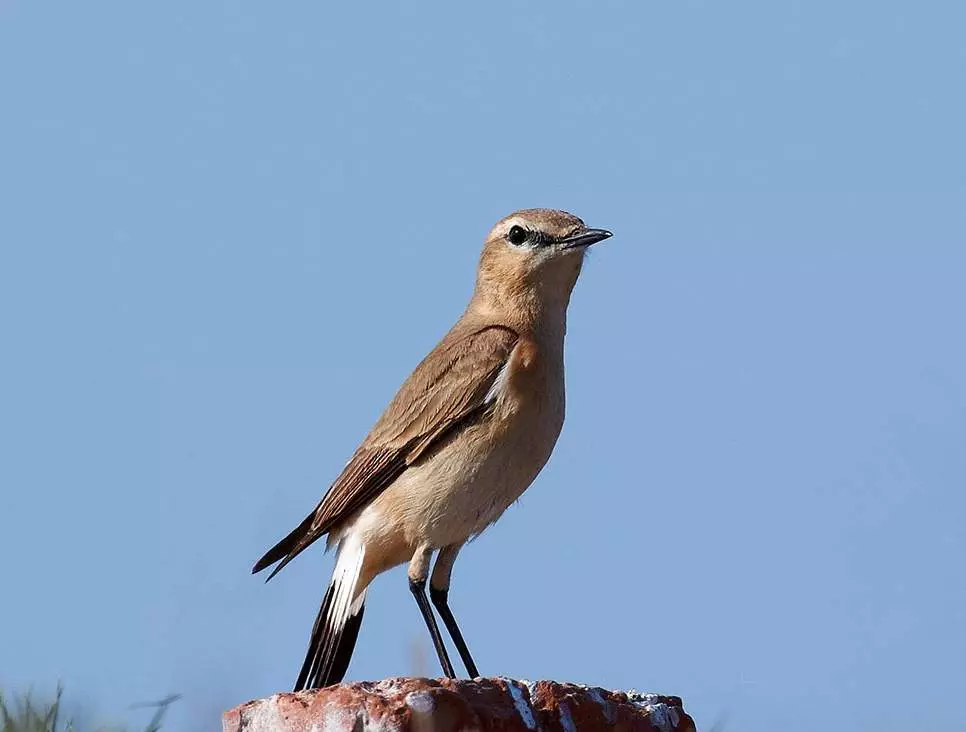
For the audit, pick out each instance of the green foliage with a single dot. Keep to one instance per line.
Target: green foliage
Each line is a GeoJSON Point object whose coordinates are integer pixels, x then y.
{"type": "Point", "coordinates": [26, 715]}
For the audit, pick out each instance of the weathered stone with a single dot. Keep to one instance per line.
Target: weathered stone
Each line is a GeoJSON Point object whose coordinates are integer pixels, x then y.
{"type": "Point", "coordinates": [446, 705]}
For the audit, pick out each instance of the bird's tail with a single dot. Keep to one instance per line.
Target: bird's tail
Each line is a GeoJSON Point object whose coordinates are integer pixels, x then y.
{"type": "Point", "coordinates": [337, 625]}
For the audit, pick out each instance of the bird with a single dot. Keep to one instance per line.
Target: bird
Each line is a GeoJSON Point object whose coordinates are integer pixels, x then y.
{"type": "Point", "coordinates": [462, 439]}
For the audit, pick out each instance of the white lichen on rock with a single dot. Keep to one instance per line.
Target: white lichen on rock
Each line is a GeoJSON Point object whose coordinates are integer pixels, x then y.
{"type": "Point", "coordinates": [420, 702]}
{"type": "Point", "coordinates": [522, 705]}
{"type": "Point", "coordinates": [608, 706]}
{"type": "Point", "coordinates": [335, 719]}
{"type": "Point", "coordinates": [566, 720]}
{"type": "Point", "coordinates": [664, 716]}
{"type": "Point", "coordinates": [263, 714]}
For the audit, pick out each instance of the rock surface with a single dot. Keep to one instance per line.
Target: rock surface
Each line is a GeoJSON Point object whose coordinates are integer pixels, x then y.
{"type": "Point", "coordinates": [448, 705]}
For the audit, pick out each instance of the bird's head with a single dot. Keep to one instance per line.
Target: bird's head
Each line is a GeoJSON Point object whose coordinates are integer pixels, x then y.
{"type": "Point", "coordinates": [536, 255]}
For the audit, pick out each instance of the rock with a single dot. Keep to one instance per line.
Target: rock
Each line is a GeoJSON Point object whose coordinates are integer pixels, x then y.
{"type": "Point", "coordinates": [450, 705]}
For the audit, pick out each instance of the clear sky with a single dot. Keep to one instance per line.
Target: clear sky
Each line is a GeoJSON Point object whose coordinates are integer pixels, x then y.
{"type": "Point", "coordinates": [229, 230]}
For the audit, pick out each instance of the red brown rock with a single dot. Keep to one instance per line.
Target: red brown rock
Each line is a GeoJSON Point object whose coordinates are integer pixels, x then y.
{"type": "Point", "coordinates": [446, 705]}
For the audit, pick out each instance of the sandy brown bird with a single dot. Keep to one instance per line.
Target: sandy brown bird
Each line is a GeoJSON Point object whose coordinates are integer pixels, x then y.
{"type": "Point", "coordinates": [462, 439]}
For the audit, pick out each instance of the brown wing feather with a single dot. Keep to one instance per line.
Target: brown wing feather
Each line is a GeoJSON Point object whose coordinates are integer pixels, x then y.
{"type": "Point", "coordinates": [446, 390]}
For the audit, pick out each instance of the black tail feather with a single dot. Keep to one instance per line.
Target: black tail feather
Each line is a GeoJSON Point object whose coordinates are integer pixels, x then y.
{"type": "Point", "coordinates": [297, 540]}
{"type": "Point", "coordinates": [347, 644]}
{"type": "Point", "coordinates": [315, 641]}
{"type": "Point", "coordinates": [329, 651]}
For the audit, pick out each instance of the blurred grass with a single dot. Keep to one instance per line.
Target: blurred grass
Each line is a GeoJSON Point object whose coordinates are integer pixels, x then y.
{"type": "Point", "coordinates": [25, 714]}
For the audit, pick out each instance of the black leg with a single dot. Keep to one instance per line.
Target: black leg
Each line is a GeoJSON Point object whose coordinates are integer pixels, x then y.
{"type": "Point", "coordinates": [418, 588]}
{"type": "Point", "coordinates": [439, 598]}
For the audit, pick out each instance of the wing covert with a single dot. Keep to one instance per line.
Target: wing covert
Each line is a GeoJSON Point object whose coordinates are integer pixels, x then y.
{"type": "Point", "coordinates": [447, 390]}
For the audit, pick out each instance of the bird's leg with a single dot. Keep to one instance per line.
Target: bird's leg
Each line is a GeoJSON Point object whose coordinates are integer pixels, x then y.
{"type": "Point", "coordinates": [418, 571]}
{"type": "Point", "coordinates": [439, 592]}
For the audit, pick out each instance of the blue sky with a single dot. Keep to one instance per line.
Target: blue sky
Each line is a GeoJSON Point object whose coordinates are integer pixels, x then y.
{"type": "Point", "coordinates": [230, 230]}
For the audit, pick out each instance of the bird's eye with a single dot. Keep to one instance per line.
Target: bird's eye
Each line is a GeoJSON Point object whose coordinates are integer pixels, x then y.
{"type": "Point", "coordinates": [517, 235]}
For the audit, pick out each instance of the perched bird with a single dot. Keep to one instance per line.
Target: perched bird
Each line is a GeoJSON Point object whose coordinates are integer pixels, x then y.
{"type": "Point", "coordinates": [463, 438]}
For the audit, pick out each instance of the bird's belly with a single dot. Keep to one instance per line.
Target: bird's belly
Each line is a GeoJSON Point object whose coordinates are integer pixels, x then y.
{"type": "Point", "coordinates": [466, 485]}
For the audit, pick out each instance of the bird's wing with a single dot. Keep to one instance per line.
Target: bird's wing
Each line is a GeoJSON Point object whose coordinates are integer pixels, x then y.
{"type": "Point", "coordinates": [446, 391]}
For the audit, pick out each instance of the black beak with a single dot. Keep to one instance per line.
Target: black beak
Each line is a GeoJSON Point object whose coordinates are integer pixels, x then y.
{"type": "Point", "coordinates": [585, 237]}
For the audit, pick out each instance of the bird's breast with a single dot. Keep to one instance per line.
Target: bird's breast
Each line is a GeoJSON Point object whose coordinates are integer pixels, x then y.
{"type": "Point", "coordinates": [466, 484]}
{"type": "Point", "coordinates": [472, 481]}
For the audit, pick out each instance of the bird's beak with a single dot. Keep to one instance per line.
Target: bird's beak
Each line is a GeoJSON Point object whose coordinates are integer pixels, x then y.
{"type": "Point", "coordinates": [585, 237]}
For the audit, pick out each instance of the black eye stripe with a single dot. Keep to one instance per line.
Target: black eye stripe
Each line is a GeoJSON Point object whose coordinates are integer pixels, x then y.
{"type": "Point", "coordinates": [520, 236]}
